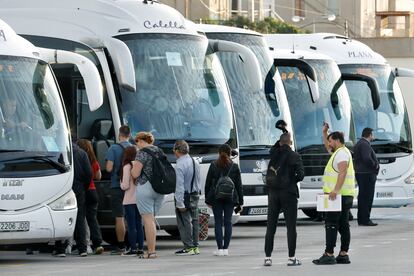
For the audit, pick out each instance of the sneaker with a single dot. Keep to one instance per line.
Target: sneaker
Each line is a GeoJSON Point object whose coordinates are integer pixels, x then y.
{"type": "Point", "coordinates": [68, 249]}
{"type": "Point", "coordinates": [185, 252]}
{"type": "Point", "coordinates": [83, 254]}
{"type": "Point", "coordinates": [196, 250]}
{"type": "Point", "coordinates": [140, 254]}
{"type": "Point", "coordinates": [267, 261]}
{"type": "Point", "coordinates": [60, 254]}
{"type": "Point", "coordinates": [129, 253]}
{"type": "Point", "coordinates": [99, 250]}
{"type": "Point", "coordinates": [225, 252]}
{"type": "Point", "coordinates": [89, 249]}
{"type": "Point", "coordinates": [218, 252]}
{"type": "Point", "coordinates": [293, 262]}
{"type": "Point", "coordinates": [325, 260]}
{"type": "Point", "coordinates": [118, 251]}
{"type": "Point", "coordinates": [343, 259]}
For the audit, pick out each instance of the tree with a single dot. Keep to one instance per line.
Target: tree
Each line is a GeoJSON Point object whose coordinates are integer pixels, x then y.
{"type": "Point", "coordinates": [268, 26]}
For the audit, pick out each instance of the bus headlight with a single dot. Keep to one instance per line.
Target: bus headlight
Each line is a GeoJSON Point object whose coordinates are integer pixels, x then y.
{"type": "Point", "coordinates": [410, 179]}
{"type": "Point", "coordinates": [65, 202]}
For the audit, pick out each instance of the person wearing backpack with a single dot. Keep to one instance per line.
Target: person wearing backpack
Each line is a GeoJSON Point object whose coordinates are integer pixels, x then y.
{"type": "Point", "coordinates": [285, 170]}
{"type": "Point", "coordinates": [113, 165]}
{"type": "Point", "coordinates": [223, 191]}
{"type": "Point", "coordinates": [149, 201]}
{"type": "Point", "coordinates": [187, 193]}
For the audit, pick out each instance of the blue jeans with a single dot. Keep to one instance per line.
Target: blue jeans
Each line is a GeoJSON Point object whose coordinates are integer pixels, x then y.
{"type": "Point", "coordinates": [221, 208]}
{"type": "Point", "coordinates": [135, 230]}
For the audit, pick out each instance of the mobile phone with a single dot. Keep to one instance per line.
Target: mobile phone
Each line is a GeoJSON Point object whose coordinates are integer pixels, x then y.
{"type": "Point", "coordinates": [237, 210]}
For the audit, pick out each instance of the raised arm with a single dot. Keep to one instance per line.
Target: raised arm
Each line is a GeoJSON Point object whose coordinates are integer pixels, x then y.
{"type": "Point", "coordinates": [325, 129]}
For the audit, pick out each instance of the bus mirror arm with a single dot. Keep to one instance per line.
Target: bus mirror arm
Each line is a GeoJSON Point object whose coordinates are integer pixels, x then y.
{"type": "Point", "coordinates": [246, 55]}
{"type": "Point", "coordinates": [88, 70]}
{"type": "Point", "coordinates": [307, 70]}
{"type": "Point", "coordinates": [372, 84]}
{"type": "Point", "coordinates": [123, 63]}
{"type": "Point", "coordinates": [403, 72]}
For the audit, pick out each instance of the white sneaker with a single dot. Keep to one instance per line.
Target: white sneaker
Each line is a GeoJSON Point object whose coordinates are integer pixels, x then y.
{"type": "Point", "coordinates": [218, 252]}
{"type": "Point", "coordinates": [225, 252]}
{"type": "Point", "coordinates": [68, 249]}
{"type": "Point", "coordinates": [89, 249]}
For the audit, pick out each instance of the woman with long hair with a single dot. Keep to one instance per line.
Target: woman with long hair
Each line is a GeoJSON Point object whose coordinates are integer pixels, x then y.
{"type": "Point", "coordinates": [91, 198]}
{"type": "Point", "coordinates": [132, 216]}
{"type": "Point", "coordinates": [223, 201]}
{"type": "Point", "coordinates": [148, 201]}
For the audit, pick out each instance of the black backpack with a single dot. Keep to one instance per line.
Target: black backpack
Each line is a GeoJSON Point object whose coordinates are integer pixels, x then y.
{"type": "Point", "coordinates": [163, 174]}
{"type": "Point", "coordinates": [224, 189]}
{"type": "Point", "coordinates": [277, 176]}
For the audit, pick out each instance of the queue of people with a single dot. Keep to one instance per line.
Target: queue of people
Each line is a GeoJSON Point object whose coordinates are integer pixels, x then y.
{"type": "Point", "coordinates": [135, 200]}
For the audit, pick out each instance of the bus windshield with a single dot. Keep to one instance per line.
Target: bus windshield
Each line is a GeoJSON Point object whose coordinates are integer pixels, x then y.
{"type": "Point", "coordinates": [390, 121]}
{"type": "Point", "coordinates": [181, 90]}
{"type": "Point", "coordinates": [256, 112]}
{"type": "Point", "coordinates": [34, 137]}
{"type": "Point", "coordinates": [333, 105]}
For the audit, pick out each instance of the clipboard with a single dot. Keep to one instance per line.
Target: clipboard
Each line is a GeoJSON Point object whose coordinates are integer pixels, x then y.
{"type": "Point", "coordinates": [324, 204]}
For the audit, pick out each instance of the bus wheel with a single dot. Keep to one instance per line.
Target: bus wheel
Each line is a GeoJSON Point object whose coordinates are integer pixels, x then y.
{"type": "Point", "coordinates": [311, 213]}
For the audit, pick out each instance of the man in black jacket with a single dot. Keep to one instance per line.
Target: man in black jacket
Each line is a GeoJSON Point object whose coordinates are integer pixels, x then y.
{"type": "Point", "coordinates": [366, 171]}
{"type": "Point", "coordinates": [285, 170]}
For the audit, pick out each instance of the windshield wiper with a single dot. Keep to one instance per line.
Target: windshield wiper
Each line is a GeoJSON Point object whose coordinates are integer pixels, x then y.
{"type": "Point", "coordinates": [172, 141]}
{"type": "Point", "coordinates": [6, 150]}
{"type": "Point", "coordinates": [379, 139]}
{"type": "Point", "coordinates": [255, 146]}
{"type": "Point", "coordinates": [47, 158]}
{"type": "Point", "coordinates": [406, 149]}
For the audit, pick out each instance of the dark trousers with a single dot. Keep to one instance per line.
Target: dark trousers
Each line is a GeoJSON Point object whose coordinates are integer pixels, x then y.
{"type": "Point", "coordinates": [80, 227]}
{"type": "Point", "coordinates": [338, 222]}
{"type": "Point", "coordinates": [135, 229]}
{"type": "Point", "coordinates": [91, 217]}
{"type": "Point", "coordinates": [366, 185]}
{"type": "Point", "coordinates": [223, 211]}
{"type": "Point", "coordinates": [288, 203]}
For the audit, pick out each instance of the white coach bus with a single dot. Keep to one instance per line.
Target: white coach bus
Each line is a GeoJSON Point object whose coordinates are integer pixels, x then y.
{"type": "Point", "coordinates": [257, 112]}
{"type": "Point", "coordinates": [388, 117]}
{"type": "Point", "coordinates": [37, 204]}
{"type": "Point", "coordinates": [145, 46]}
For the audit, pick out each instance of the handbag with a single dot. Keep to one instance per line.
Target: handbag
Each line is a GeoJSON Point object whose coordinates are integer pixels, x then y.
{"type": "Point", "coordinates": [187, 195]}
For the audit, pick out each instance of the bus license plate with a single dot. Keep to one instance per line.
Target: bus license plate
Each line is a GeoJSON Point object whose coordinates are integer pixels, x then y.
{"type": "Point", "coordinates": [385, 194]}
{"type": "Point", "coordinates": [258, 211]}
{"type": "Point", "coordinates": [14, 226]}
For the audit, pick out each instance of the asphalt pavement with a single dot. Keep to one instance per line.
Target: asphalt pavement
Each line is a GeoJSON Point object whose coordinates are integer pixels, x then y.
{"type": "Point", "coordinates": [381, 250]}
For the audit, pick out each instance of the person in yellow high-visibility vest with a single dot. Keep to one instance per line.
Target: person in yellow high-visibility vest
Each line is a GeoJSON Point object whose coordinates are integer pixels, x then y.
{"type": "Point", "coordinates": [338, 179]}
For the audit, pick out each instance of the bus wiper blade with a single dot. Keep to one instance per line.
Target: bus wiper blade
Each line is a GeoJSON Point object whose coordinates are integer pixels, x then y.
{"type": "Point", "coordinates": [172, 141]}
{"type": "Point", "coordinates": [47, 158]}
{"type": "Point", "coordinates": [255, 147]}
{"type": "Point", "coordinates": [380, 140]}
{"type": "Point", "coordinates": [395, 146]}
{"type": "Point", "coordinates": [6, 150]}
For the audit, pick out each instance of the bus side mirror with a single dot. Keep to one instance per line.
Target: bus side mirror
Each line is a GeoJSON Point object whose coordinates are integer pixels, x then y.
{"type": "Point", "coordinates": [307, 70]}
{"type": "Point", "coordinates": [250, 61]}
{"type": "Point", "coordinates": [403, 72]}
{"type": "Point", "coordinates": [372, 84]}
{"type": "Point", "coordinates": [123, 63]}
{"type": "Point", "coordinates": [88, 70]}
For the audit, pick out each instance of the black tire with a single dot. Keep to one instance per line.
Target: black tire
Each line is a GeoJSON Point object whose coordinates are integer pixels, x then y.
{"type": "Point", "coordinates": [173, 232]}
{"type": "Point", "coordinates": [310, 212]}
